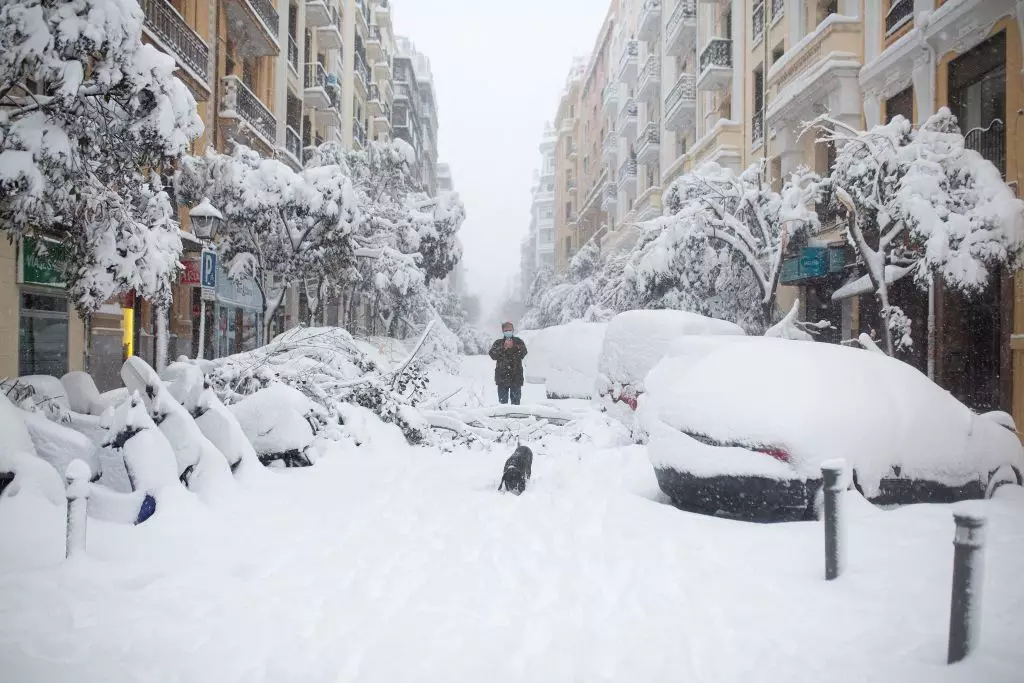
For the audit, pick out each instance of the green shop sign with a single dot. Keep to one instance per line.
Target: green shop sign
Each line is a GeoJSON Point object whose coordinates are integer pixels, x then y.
{"type": "Point", "coordinates": [43, 266]}
{"type": "Point", "coordinates": [812, 262]}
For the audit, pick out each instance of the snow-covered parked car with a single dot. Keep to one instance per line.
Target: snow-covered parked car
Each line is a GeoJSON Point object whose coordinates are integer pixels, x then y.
{"type": "Point", "coordinates": [743, 428]}
{"type": "Point", "coordinates": [636, 340]}
{"type": "Point", "coordinates": [564, 358]}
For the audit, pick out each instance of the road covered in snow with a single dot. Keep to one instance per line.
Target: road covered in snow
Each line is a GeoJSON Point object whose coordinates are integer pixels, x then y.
{"type": "Point", "coordinates": [393, 563]}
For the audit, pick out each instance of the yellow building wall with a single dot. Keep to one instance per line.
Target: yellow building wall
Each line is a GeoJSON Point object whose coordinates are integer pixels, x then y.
{"type": "Point", "coordinates": [8, 309]}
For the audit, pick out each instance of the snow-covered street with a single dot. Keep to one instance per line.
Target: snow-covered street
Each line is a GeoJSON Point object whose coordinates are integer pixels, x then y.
{"type": "Point", "coordinates": [400, 563]}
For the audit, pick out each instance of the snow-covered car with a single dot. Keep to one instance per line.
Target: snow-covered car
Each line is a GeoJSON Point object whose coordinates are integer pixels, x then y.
{"type": "Point", "coordinates": [743, 428]}
{"type": "Point", "coordinates": [636, 340]}
{"type": "Point", "coordinates": [564, 358]}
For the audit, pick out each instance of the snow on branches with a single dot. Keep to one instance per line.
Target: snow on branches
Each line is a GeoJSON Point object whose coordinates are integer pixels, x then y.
{"type": "Point", "coordinates": [282, 227]}
{"type": "Point", "coordinates": [89, 117]}
{"type": "Point", "coordinates": [919, 201]}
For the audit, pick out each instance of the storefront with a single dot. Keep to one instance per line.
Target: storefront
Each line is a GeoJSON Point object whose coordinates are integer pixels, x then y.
{"type": "Point", "coordinates": [233, 319]}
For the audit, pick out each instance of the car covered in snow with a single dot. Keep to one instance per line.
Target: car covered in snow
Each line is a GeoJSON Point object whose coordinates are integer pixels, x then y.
{"type": "Point", "coordinates": [636, 340]}
{"type": "Point", "coordinates": [564, 358]}
{"type": "Point", "coordinates": [743, 429]}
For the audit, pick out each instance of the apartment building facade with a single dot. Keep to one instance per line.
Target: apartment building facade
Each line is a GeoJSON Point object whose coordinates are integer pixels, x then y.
{"type": "Point", "coordinates": [734, 81]}
{"type": "Point", "coordinates": [275, 75]}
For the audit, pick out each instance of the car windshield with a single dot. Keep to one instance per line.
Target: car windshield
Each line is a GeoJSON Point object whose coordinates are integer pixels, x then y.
{"type": "Point", "coordinates": [547, 340]}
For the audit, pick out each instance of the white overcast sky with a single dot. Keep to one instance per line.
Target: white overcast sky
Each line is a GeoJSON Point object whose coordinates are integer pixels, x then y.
{"type": "Point", "coordinates": [499, 67]}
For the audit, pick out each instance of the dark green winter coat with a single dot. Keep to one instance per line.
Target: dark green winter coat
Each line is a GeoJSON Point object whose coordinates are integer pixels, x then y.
{"type": "Point", "coordinates": [508, 368]}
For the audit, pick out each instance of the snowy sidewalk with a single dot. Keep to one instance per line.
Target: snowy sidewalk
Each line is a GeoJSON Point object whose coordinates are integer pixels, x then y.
{"type": "Point", "coordinates": [394, 564]}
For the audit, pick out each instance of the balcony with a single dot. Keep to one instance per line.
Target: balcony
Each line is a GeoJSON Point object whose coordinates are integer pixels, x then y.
{"type": "Point", "coordinates": [681, 104]}
{"type": "Point", "coordinates": [681, 30]}
{"type": "Point", "coordinates": [382, 12]}
{"type": "Point", "coordinates": [649, 85]}
{"type": "Point", "coordinates": [359, 133]}
{"type": "Point", "coordinates": [363, 17]}
{"type": "Point", "coordinates": [610, 197]}
{"type": "Point", "coordinates": [650, 20]}
{"type": "Point", "coordinates": [318, 13]}
{"type": "Point", "coordinates": [329, 35]}
{"type": "Point", "coordinates": [383, 119]}
{"type": "Point", "coordinates": [573, 153]}
{"type": "Point", "coordinates": [610, 147]}
{"type": "Point", "coordinates": [901, 13]}
{"type": "Point", "coordinates": [648, 144]}
{"type": "Point", "coordinates": [169, 31]}
{"type": "Point", "coordinates": [715, 65]}
{"type": "Point", "coordinates": [627, 119]}
{"type": "Point", "coordinates": [648, 204]}
{"type": "Point", "coordinates": [382, 67]}
{"type": "Point", "coordinates": [627, 177]}
{"type": "Point", "coordinates": [757, 130]}
{"type": "Point", "coordinates": [293, 147]}
{"type": "Point", "coordinates": [778, 10]}
{"type": "Point", "coordinates": [362, 72]}
{"type": "Point", "coordinates": [628, 62]}
{"type": "Point", "coordinates": [374, 43]}
{"type": "Point", "coordinates": [315, 83]}
{"type": "Point", "coordinates": [253, 23]}
{"type": "Point", "coordinates": [243, 113]}
{"type": "Point", "coordinates": [724, 144]}
{"type": "Point", "coordinates": [610, 101]}
{"type": "Point", "coordinates": [810, 70]}
{"type": "Point", "coordinates": [990, 143]}
{"type": "Point", "coordinates": [293, 55]}
{"type": "Point", "coordinates": [373, 100]}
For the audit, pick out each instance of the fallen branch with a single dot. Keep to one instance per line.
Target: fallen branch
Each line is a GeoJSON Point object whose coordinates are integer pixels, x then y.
{"type": "Point", "coordinates": [416, 349]}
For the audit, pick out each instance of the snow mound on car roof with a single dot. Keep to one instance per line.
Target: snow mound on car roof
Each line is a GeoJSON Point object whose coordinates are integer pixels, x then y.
{"type": "Point", "coordinates": [637, 340]}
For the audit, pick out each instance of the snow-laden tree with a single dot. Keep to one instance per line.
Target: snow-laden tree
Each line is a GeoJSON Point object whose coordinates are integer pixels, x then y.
{"type": "Point", "coordinates": [404, 238]}
{"type": "Point", "coordinates": [282, 227]}
{"type": "Point", "coordinates": [920, 202]}
{"type": "Point", "coordinates": [718, 249]}
{"type": "Point", "coordinates": [89, 118]}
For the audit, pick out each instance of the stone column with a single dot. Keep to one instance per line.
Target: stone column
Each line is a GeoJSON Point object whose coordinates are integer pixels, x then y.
{"type": "Point", "coordinates": [790, 146]}
{"type": "Point", "coordinates": [872, 109]}
{"type": "Point", "coordinates": [923, 78]}
{"type": "Point", "coordinates": [795, 11]}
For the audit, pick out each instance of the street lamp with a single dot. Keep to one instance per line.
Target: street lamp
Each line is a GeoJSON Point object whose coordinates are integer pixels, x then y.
{"type": "Point", "coordinates": [206, 220]}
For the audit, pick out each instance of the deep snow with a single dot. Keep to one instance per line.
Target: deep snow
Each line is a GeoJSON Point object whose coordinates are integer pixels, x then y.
{"type": "Point", "coordinates": [404, 564]}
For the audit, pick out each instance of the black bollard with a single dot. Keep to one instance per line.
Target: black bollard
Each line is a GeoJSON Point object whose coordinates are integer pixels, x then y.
{"type": "Point", "coordinates": [832, 475]}
{"type": "Point", "coordinates": [968, 572]}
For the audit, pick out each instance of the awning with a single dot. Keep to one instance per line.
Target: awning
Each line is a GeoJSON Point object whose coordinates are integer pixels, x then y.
{"type": "Point", "coordinates": [862, 285]}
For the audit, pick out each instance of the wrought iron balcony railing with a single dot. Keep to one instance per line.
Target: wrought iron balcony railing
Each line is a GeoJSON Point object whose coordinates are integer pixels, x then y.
{"type": "Point", "coordinates": [172, 29]}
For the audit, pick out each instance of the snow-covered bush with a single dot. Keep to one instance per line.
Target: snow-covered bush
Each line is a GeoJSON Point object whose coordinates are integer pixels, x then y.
{"type": "Point", "coordinates": [91, 116]}
{"type": "Point", "coordinates": [921, 202]}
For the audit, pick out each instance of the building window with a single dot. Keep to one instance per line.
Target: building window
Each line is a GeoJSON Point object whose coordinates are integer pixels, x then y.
{"type": "Point", "coordinates": [827, 8]}
{"type": "Point", "coordinates": [568, 247]}
{"type": "Point", "coordinates": [977, 96]}
{"type": "Point", "coordinates": [586, 163]}
{"type": "Point", "coordinates": [43, 333]}
{"type": "Point", "coordinates": [900, 104]}
{"type": "Point", "coordinates": [568, 210]}
{"type": "Point", "coordinates": [778, 51]}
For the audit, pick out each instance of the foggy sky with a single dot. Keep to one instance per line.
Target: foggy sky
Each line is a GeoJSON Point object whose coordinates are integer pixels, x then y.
{"type": "Point", "coordinates": [499, 68]}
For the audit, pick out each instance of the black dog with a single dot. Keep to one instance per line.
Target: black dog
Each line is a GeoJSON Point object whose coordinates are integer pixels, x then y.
{"type": "Point", "coordinates": [517, 470]}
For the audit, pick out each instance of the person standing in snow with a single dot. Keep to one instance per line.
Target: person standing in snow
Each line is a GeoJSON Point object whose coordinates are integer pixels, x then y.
{"type": "Point", "coordinates": [508, 354]}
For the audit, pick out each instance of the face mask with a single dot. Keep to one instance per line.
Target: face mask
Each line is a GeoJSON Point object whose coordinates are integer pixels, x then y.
{"type": "Point", "coordinates": [507, 334]}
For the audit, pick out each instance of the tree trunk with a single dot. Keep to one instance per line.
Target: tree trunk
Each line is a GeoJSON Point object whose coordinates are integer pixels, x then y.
{"type": "Point", "coordinates": [161, 338]}
{"type": "Point", "coordinates": [931, 327]}
{"type": "Point", "coordinates": [87, 350]}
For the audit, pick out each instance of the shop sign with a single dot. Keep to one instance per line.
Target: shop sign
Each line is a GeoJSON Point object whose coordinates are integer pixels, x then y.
{"type": "Point", "coordinates": [813, 262]}
{"type": "Point", "coordinates": [242, 292]}
{"type": "Point", "coordinates": [190, 272]}
{"type": "Point", "coordinates": [46, 266]}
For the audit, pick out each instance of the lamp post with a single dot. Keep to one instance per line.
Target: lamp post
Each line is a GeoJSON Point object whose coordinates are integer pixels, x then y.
{"type": "Point", "coordinates": [206, 220]}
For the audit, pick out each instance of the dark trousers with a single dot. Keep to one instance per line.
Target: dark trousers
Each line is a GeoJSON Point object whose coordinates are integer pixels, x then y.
{"type": "Point", "coordinates": [505, 393]}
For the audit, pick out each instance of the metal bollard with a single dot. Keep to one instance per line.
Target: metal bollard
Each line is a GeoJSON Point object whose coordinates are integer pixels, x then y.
{"type": "Point", "coordinates": [78, 489]}
{"type": "Point", "coordinates": [968, 573]}
{"type": "Point", "coordinates": [832, 474]}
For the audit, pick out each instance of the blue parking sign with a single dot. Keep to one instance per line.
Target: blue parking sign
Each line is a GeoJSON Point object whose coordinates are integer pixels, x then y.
{"type": "Point", "coordinates": [208, 270]}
